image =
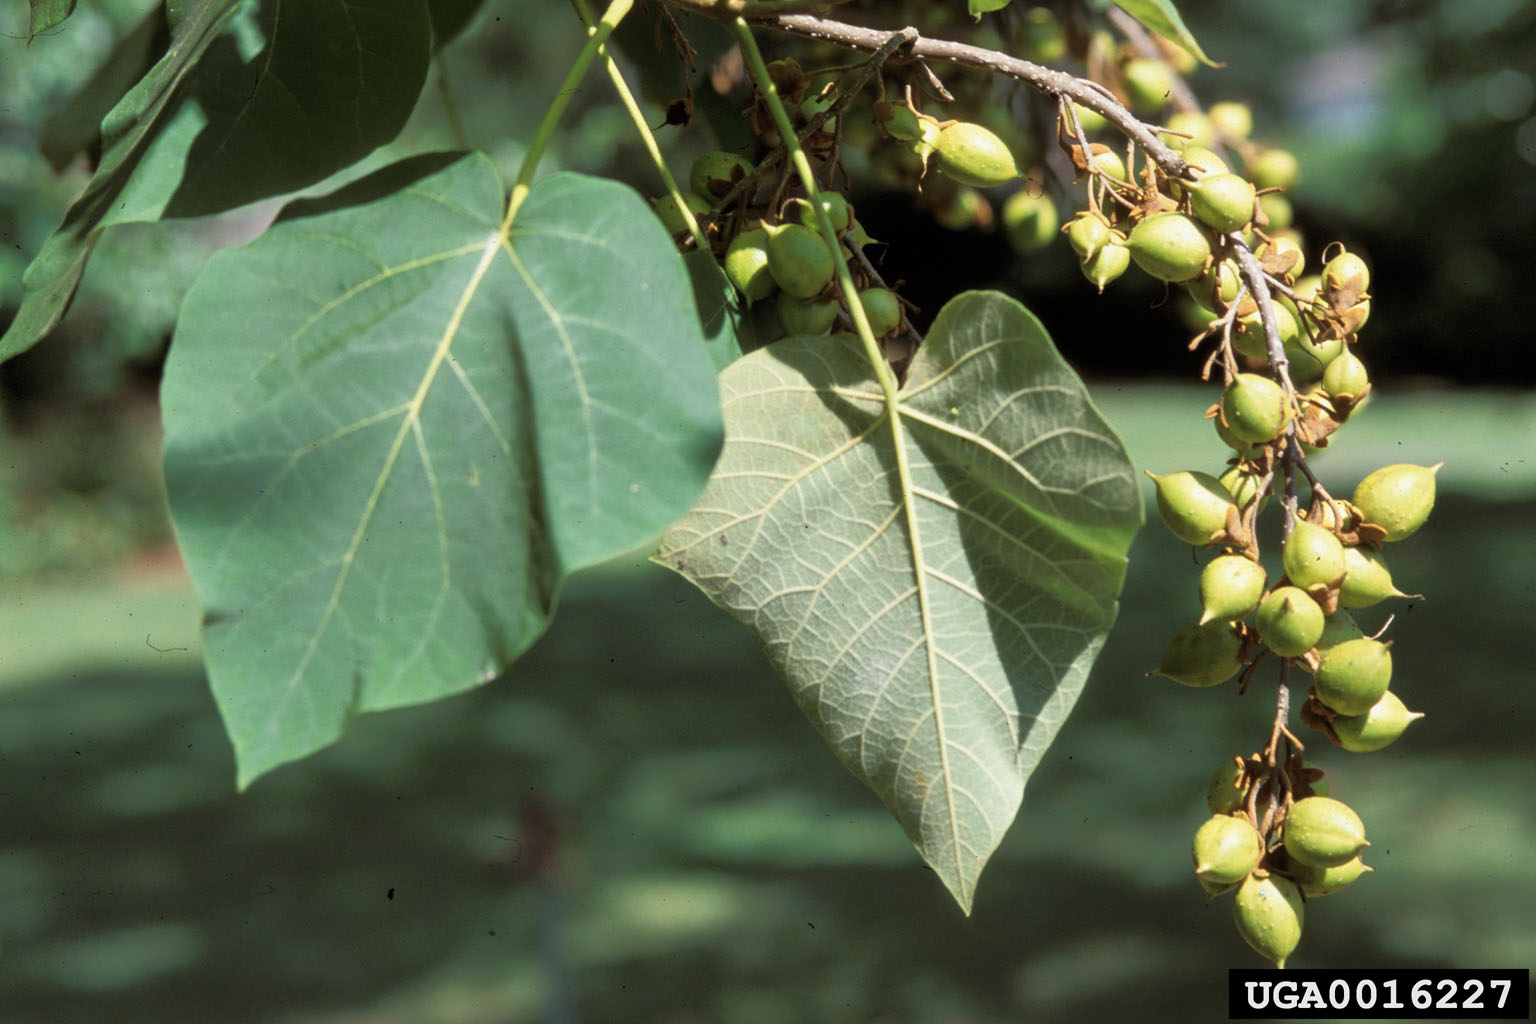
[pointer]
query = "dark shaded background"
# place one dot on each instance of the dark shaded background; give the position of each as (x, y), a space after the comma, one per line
(635, 824)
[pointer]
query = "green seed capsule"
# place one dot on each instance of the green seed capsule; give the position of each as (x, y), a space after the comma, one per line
(1225, 793)
(1337, 628)
(1088, 234)
(1322, 832)
(1203, 655)
(1030, 221)
(799, 260)
(1277, 210)
(1234, 119)
(1230, 587)
(1193, 505)
(1170, 247)
(1254, 408)
(1226, 849)
(1107, 264)
(1275, 168)
(1248, 337)
(1222, 201)
(1269, 915)
(1242, 483)
(1377, 728)
(746, 265)
(805, 316)
(1397, 498)
(714, 174)
(1289, 622)
(972, 155)
(1368, 582)
(1345, 376)
(1316, 882)
(1346, 270)
(1197, 125)
(1353, 675)
(883, 310)
(672, 219)
(1148, 83)
(836, 206)
(1312, 555)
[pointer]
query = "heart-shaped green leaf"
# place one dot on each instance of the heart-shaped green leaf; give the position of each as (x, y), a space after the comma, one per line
(396, 421)
(933, 580)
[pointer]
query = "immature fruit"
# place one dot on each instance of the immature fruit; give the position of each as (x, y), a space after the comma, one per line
(1397, 498)
(1352, 676)
(1254, 408)
(1230, 587)
(1030, 221)
(1277, 210)
(1226, 849)
(1225, 793)
(899, 122)
(1312, 555)
(1244, 449)
(1345, 376)
(1147, 83)
(1289, 622)
(1222, 201)
(1042, 38)
(972, 155)
(1368, 581)
(1279, 245)
(1325, 881)
(1107, 161)
(1275, 168)
(746, 265)
(1377, 728)
(1203, 161)
(1248, 337)
(714, 174)
(1088, 234)
(1242, 483)
(1107, 264)
(1346, 270)
(1269, 916)
(883, 310)
(1199, 128)
(799, 260)
(1203, 655)
(1193, 505)
(805, 316)
(1091, 120)
(838, 211)
(1235, 119)
(667, 210)
(1337, 628)
(1322, 832)
(1170, 247)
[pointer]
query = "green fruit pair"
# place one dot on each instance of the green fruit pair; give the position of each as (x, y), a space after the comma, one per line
(799, 259)
(1088, 233)
(1316, 882)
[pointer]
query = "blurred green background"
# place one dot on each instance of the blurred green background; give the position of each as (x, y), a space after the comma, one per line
(635, 823)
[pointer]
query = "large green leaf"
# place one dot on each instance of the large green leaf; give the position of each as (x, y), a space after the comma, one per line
(292, 93)
(935, 607)
(394, 425)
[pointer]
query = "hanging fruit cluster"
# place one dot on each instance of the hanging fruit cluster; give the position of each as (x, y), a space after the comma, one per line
(1192, 201)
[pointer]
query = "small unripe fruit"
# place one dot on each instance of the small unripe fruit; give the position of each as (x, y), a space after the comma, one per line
(1322, 832)
(1281, 244)
(1170, 247)
(1230, 587)
(1088, 234)
(1289, 622)
(1312, 555)
(1147, 83)
(882, 308)
(1345, 375)
(1368, 581)
(805, 316)
(1277, 210)
(973, 155)
(1226, 849)
(1377, 728)
(672, 219)
(799, 260)
(836, 206)
(746, 265)
(1397, 498)
(1203, 655)
(1225, 793)
(1193, 505)
(1346, 270)
(715, 173)
(1107, 264)
(1091, 120)
(1353, 675)
(1249, 339)
(1197, 125)
(1235, 119)
(1030, 221)
(1242, 483)
(1269, 915)
(1223, 201)
(1275, 168)
(1107, 161)
(1244, 449)
(1042, 38)
(1316, 882)
(1254, 408)
(899, 122)
(1204, 160)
